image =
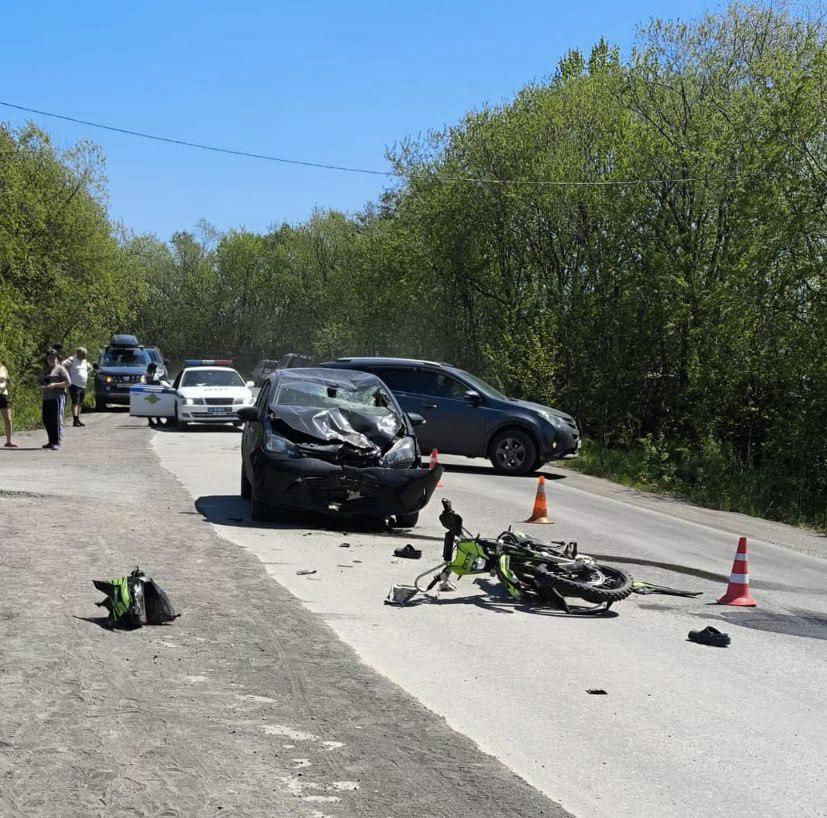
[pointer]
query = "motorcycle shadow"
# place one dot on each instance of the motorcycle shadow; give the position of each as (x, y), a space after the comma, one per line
(496, 599)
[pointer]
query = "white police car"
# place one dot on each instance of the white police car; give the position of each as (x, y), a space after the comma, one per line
(204, 391)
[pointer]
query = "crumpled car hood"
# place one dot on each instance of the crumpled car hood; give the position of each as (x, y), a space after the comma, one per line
(362, 430)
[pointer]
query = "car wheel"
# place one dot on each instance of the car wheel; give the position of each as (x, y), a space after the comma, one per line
(100, 404)
(407, 520)
(246, 486)
(181, 424)
(513, 452)
(262, 512)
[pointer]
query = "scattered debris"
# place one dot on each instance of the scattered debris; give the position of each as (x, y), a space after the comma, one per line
(304, 571)
(401, 594)
(645, 588)
(408, 552)
(344, 545)
(597, 691)
(710, 636)
(340, 565)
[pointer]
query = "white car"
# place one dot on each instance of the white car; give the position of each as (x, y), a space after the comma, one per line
(203, 392)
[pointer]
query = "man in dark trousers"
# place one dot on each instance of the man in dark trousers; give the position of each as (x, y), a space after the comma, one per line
(53, 381)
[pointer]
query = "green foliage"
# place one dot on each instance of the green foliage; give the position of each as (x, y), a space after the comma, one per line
(671, 294)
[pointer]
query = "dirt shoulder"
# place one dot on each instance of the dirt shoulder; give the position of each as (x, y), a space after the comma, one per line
(246, 705)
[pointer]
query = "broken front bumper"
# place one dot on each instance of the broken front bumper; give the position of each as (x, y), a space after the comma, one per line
(315, 485)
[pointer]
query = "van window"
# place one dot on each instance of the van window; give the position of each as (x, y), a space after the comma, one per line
(399, 379)
(439, 385)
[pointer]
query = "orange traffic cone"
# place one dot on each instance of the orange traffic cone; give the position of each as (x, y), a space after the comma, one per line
(540, 512)
(737, 592)
(434, 463)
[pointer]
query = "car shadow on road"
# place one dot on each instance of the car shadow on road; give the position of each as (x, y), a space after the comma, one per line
(234, 510)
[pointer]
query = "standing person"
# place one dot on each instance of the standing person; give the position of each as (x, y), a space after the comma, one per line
(58, 348)
(53, 380)
(151, 378)
(5, 409)
(79, 370)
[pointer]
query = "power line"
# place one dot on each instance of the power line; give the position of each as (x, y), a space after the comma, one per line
(349, 169)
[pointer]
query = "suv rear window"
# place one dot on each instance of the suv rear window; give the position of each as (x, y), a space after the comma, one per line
(399, 379)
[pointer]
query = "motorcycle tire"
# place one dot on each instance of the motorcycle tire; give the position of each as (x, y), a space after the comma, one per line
(621, 585)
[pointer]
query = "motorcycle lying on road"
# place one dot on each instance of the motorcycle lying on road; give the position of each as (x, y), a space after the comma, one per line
(532, 571)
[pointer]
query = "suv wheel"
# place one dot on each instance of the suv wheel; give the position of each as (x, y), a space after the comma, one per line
(100, 404)
(513, 452)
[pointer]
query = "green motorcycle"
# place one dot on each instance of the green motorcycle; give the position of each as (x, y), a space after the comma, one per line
(531, 571)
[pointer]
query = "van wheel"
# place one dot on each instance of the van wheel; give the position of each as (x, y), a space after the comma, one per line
(100, 404)
(513, 452)
(246, 486)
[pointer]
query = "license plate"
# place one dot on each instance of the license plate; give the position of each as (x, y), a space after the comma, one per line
(218, 410)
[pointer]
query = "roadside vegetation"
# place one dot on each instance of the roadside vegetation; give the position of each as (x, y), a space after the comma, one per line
(671, 295)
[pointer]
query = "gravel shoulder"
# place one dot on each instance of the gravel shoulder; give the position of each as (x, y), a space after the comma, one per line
(246, 705)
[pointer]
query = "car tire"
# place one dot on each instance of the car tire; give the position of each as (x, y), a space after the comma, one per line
(262, 512)
(407, 520)
(246, 485)
(513, 452)
(181, 424)
(100, 404)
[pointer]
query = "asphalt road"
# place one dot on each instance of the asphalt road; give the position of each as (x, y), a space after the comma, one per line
(684, 730)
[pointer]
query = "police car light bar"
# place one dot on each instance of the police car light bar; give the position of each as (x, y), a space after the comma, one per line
(215, 362)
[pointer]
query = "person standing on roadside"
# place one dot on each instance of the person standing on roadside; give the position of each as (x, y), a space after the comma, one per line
(79, 370)
(53, 380)
(5, 409)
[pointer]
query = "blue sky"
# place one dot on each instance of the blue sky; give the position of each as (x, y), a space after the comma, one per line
(334, 82)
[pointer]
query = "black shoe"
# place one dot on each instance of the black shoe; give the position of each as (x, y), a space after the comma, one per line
(76, 422)
(80, 423)
(710, 636)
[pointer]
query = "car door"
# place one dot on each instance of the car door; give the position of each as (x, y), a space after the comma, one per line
(452, 423)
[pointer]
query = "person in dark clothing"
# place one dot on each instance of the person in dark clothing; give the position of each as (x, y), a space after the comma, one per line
(53, 380)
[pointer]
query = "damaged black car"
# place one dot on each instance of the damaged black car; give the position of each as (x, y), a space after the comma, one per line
(334, 442)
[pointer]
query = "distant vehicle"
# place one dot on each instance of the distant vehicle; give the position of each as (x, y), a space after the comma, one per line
(467, 416)
(122, 364)
(261, 371)
(158, 359)
(204, 391)
(332, 442)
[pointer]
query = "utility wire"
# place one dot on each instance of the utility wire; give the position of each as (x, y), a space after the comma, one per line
(348, 169)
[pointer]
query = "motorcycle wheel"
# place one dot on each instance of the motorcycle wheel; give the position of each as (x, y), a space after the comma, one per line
(616, 585)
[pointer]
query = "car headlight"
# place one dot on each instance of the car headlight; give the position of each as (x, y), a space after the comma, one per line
(194, 401)
(402, 454)
(142, 379)
(243, 401)
(278, 445)
(107, 379)
(554, 420)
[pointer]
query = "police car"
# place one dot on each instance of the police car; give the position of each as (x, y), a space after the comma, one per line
(205, 391)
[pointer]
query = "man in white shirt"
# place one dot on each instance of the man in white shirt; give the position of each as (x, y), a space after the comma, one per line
(79, 370)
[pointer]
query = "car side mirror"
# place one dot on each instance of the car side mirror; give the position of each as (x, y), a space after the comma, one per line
(248, 413)
(250, 384)
(415, 419)
(473, 397)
